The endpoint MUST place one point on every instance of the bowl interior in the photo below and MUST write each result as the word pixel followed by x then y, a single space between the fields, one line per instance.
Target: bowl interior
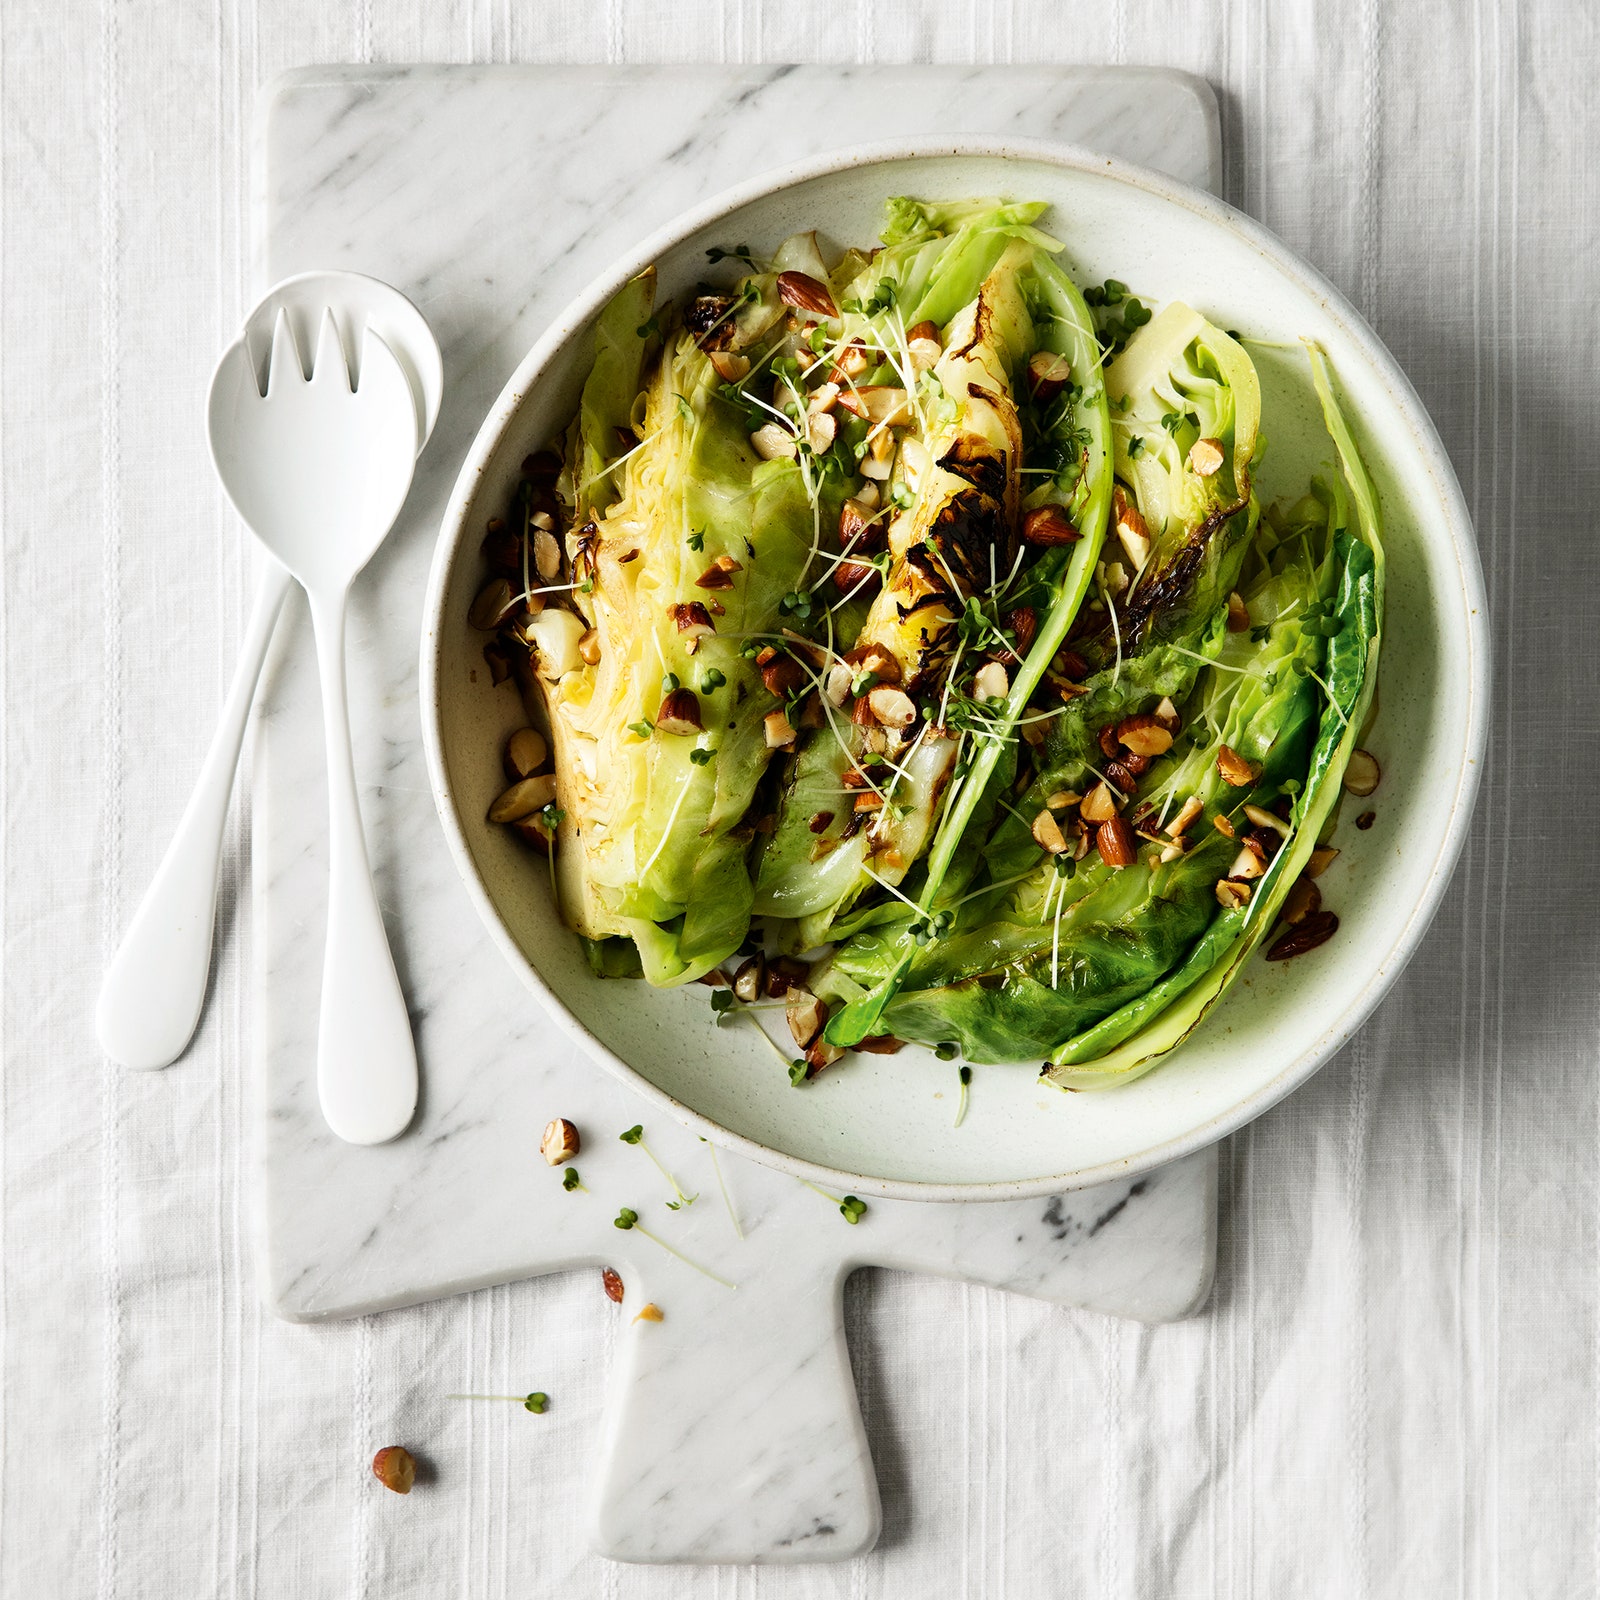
pixel 887 1121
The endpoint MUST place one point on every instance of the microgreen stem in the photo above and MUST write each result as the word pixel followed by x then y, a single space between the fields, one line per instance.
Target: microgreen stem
pixel 727 1199
pixel 629 1222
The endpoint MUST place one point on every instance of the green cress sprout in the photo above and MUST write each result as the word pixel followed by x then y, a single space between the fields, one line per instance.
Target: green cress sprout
pixel 537 1402
pixel 635 1135
pixel 571 1181
pixel 850 1208
pixel 628 1221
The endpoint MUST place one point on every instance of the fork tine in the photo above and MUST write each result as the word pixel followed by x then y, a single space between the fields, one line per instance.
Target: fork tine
pixel 283 365
pixel 329 366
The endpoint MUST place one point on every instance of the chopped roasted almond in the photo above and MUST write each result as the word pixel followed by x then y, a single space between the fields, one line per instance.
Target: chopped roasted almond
pixel 526 752
pixel 560 1141
pixel 1048 374
pixel 1266 819
pixel 1047 834
pixel 805 1014
pixel 1167 715
pixel 1223 825
pixel 494 606
pixel 773 441
pixel 1362 775
pixel 680 713
pixel 1232 896
pixel 779 734
pixel 893 708
pixel 1048 526
pixel 1247 864
pixel 884 405
pixel 523 798
pixel 1315 930
pixel 1205 456
pixel 751 978
pixel 1063 799
pixel 1302 901
pixel 1236 772
pixel 1188 813
pixel 1144 735
pixel 1320 860
pixel 1238 616
pixel 1099 805
pixel 990 682
pixel 730 367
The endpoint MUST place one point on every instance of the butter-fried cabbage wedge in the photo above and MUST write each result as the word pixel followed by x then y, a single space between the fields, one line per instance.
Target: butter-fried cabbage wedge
pixel 651 844
pixel 1076 427
pixel 1131 1041
pixel 964 477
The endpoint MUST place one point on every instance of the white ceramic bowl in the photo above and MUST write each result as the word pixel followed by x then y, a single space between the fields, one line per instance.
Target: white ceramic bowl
pixel 884 1124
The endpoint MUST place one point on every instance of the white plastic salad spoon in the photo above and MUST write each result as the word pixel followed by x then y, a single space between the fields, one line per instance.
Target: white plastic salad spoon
pixel 319 473
pixel 153 991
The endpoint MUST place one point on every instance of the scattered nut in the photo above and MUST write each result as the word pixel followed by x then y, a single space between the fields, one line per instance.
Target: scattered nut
pixel 1318 928
pixel 1247 864
pixel 1362 775
pixel 1366 819
pixel 1047 834
pixel 1144 735
pixel 719 575
pixel 1023 621
pixel 751 978
pixel 395 1468
pixel 522 799
pixel 1232 896
pixel 821 431
pixel 924 353
pixel 1266 819
pixel 1236 772
pixel 823 398
pixel 1063 799
pixel 1238 616
pixel 850 577
pixel 560 1142
pixel 1188 813
pixel 526 752
pixel 1048 374
pixel 546 556
pixel 1167 715
pixel 779 734
pixel 1321 859
pixel 1205 456
pixel 730 367
pixel 680 713
pixel 495 659
pixel 772 441
pixel 1130 523
pixel 805 1014
pixel 782 675
pixel 820 821
pixel 612 1281
pixel 885 405
pixel 1048 526
pixel 855 524
pixel 881 1044
pixel 1302 901
pixel 805 293
pixel 836 686
pixel 1114 840
pixel 850 362
pixel 589 647
pixel 990 682
pixel 693 622
pixel 494 606
pixel 1223 825
pixel 1099 805
pixel 650 1312
pixel 820 1054
pixel 893 708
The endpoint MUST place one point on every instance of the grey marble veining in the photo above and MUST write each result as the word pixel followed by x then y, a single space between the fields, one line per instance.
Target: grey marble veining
pixel 488 195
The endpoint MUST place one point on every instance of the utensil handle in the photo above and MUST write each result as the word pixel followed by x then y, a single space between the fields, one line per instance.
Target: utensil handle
pixel 366 1056
pixel 154 989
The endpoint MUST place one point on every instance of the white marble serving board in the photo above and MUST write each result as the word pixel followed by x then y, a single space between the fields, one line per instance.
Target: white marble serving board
pixel 490 195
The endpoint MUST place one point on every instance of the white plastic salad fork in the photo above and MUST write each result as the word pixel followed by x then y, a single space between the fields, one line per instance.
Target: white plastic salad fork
pixel 318 472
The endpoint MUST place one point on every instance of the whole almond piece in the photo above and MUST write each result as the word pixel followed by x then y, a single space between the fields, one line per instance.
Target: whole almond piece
pixel 1048 526
pixel 805 293
pixel 1115 842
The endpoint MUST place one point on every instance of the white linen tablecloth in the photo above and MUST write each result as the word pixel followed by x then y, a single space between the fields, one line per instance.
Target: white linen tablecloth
pixel 1396 1391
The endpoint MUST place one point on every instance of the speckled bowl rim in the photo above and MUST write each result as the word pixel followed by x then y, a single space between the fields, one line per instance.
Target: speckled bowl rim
pixel 1385 967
